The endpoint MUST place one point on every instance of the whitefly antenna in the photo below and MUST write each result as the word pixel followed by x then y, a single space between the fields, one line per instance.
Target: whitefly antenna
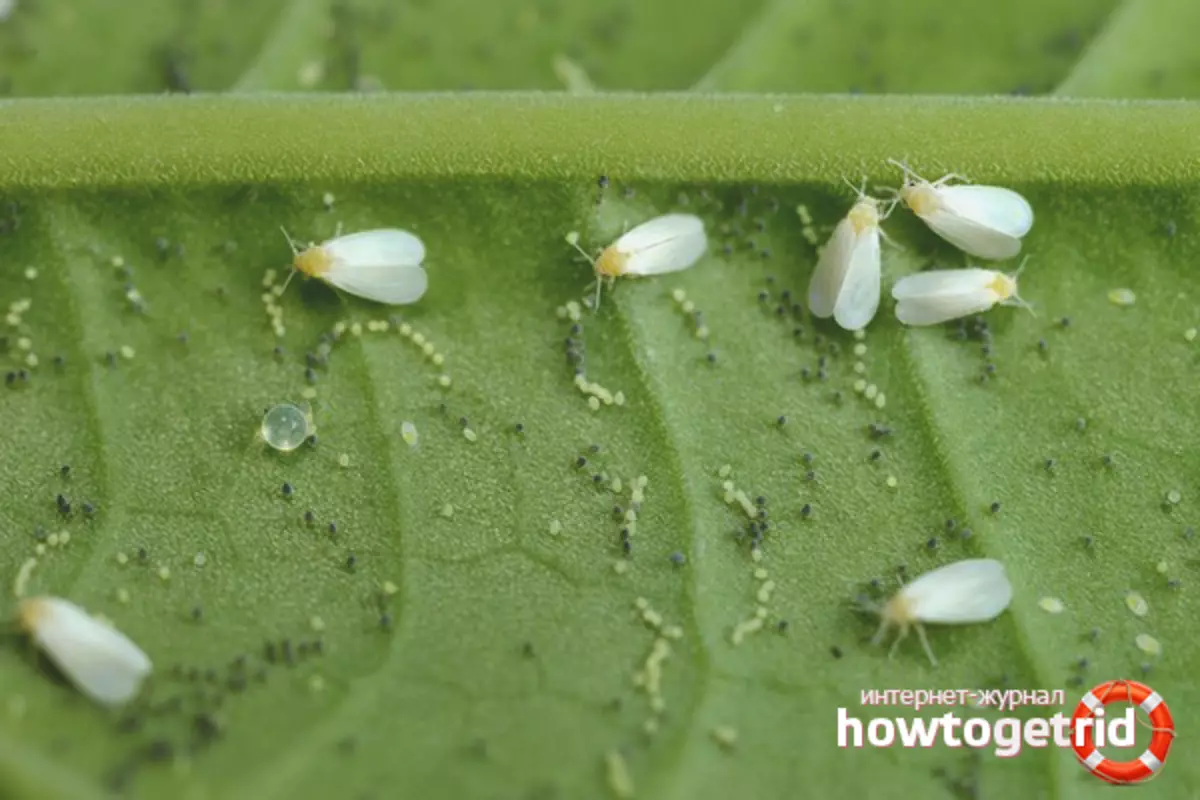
pixel 891 197
pixel 291 242
pixel 575 243
pixel 295 252
pixel 861 190
pixel 1021 268
pixel 573 240
pixel 890 201
pixel 1025 304
pixel 909 175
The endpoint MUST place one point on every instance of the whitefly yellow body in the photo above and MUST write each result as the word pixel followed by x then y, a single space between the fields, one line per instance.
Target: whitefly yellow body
pixel 668 243
pixel 941 295
pixel 383 265
pixel 845 283
pixel 972 590
pixel 100 661
pixel 984 221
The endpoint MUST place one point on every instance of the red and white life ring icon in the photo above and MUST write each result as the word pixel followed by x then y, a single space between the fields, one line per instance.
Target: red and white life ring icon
pixel 1149 762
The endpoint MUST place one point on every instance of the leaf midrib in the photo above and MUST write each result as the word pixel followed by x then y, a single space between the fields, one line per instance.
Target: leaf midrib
pixel 148 142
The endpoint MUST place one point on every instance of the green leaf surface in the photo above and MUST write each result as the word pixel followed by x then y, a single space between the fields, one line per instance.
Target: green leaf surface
pixel 202 45
pixel 521 44
pixel 1020 47
pixel 109 47
pixel 1146 49
pixel 503 665
pixel 1025 47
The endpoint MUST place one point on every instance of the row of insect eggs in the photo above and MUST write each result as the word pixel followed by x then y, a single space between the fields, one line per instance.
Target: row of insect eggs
pixel 984 221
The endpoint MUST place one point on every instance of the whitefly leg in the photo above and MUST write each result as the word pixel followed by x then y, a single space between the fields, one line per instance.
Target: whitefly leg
pixel 896 644
pixel 925 644
pixel 950 176
pixel 877 639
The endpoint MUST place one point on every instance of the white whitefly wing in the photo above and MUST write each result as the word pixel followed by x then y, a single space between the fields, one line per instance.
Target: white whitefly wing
pixel 936 296
pixel 381 265
pixel 832 264
pixel 992 207
pixel 985 221
pixel 384 247
pixel 858 297
pixel 668 243
pixel 972 590
pixel 972 237
pixel 941 282
pixel 936 309
pixel 390 285
pixel 101 661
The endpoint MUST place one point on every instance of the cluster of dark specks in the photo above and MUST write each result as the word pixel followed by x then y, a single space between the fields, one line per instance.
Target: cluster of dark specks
pixel 198 696
pixel 783 306
pixel 1080 666
pixel 575 349
pixel 976 329
pixel 16 378
pixel 756 527
pixel 602 183
pixel 625 516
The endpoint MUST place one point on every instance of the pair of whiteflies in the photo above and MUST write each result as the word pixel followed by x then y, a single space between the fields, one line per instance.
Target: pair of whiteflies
pixel 108 667
pixel 386 265
pixel 983 221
